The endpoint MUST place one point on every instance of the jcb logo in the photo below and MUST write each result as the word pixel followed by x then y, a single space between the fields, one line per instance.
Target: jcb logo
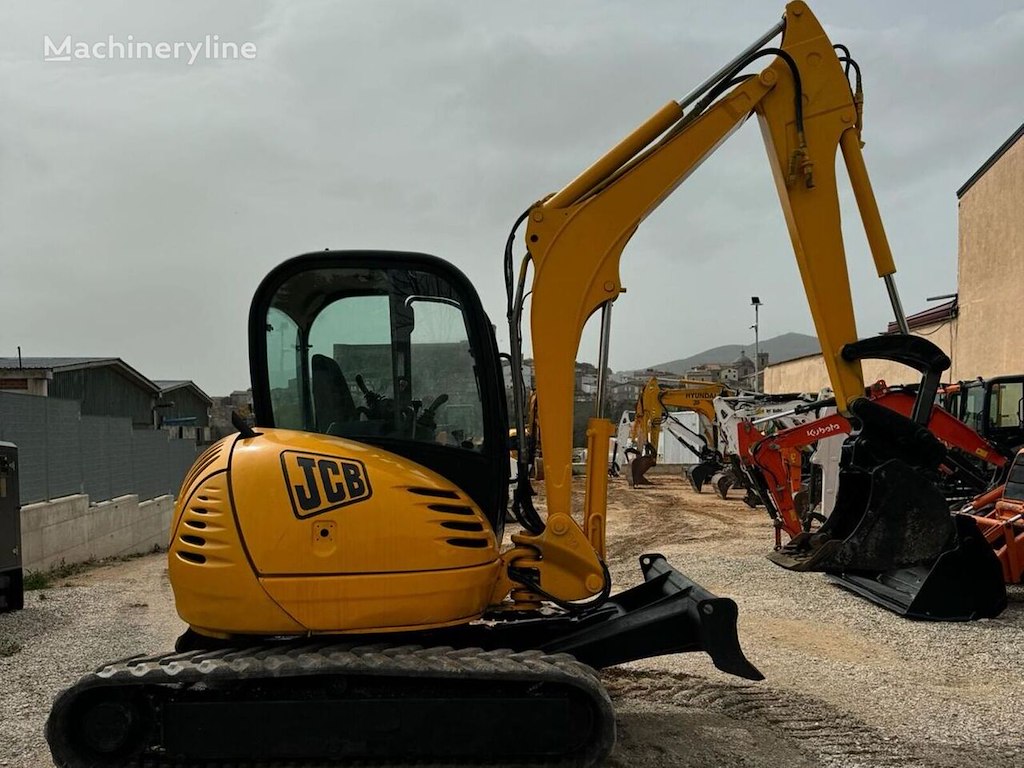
pixel 318 483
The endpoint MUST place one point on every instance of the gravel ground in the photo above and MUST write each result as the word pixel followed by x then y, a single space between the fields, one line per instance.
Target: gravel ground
pixel 848 684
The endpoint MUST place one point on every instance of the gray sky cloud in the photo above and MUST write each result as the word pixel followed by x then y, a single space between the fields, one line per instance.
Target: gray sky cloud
pixel 141 202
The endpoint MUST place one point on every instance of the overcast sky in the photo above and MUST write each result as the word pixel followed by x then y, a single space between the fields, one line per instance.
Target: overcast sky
pixel 142 201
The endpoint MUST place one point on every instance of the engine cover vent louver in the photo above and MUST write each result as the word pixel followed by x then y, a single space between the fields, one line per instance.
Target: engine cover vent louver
pixel 470 543
pixel 206 458
pixel 440 493
pixel 203 537
pixel 458 525
pixel 452 509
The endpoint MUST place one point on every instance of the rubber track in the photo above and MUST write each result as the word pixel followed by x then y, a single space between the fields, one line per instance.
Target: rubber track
pixel 332 658
pixel 836 739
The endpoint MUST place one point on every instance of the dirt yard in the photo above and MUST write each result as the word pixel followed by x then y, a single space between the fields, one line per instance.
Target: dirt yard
pixel 847 684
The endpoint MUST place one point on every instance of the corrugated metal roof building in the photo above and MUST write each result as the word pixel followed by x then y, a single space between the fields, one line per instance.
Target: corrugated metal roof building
pixel 105 386
pixel 182 403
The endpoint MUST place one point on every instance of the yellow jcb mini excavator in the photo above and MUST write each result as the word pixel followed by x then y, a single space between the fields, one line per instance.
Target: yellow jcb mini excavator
pixel 652 410
pixel 340 565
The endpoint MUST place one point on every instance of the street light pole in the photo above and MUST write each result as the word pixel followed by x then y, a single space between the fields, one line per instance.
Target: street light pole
pixel 756 303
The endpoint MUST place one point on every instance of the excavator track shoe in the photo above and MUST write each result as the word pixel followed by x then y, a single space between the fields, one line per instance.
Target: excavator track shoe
pixel 333 704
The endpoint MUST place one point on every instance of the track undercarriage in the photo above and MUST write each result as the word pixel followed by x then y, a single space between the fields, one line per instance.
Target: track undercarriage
pixel 513 691
pixel 331 703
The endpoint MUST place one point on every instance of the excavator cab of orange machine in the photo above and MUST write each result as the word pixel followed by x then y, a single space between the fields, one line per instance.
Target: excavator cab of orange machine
pixel 890 519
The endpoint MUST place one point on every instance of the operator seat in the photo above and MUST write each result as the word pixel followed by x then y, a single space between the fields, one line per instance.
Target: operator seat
pixel 332 399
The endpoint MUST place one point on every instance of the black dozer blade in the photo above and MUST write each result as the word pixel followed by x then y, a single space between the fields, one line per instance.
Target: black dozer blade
pixel 668 613
pixel 699 474
pixel 638 468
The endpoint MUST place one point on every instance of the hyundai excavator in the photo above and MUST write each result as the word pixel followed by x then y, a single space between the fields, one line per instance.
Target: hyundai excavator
pixel 340 566
pixel 652 410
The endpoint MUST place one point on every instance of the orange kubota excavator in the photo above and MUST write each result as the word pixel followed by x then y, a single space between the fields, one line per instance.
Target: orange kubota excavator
pixel 999 514
pixel 776 464
pixel 340 565
pixel 652 410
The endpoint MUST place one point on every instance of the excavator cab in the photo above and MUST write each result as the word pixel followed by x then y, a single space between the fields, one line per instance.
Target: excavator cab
pixel 994 408
pixel 392 350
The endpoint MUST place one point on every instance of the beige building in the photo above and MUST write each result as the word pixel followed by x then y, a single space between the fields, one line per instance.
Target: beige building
pixel 974 329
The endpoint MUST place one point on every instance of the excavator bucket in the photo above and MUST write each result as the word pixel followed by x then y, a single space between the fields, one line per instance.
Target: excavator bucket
pixel 638 468
pixel 892 540
pixel 884 518
pixel 888 517
pixel 890 537
pixel 723 481
pixel 960 585
pixel 700 474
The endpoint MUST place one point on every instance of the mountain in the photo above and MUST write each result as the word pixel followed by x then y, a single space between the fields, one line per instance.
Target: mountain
pixel 779 348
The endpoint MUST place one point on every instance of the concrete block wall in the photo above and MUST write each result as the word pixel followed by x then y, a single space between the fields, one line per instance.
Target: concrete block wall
pixel 70 530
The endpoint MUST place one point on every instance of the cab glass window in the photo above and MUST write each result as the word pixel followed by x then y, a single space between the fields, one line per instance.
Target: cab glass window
pixel 373 354
pixel 1005 405
pixel 974 408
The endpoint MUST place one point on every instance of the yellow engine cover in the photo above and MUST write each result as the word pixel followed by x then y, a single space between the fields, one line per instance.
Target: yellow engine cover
pixel 294 532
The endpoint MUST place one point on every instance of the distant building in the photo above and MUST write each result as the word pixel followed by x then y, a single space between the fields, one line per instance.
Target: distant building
pixel 105 386
pixel 705 372
pixel 184 410
pixel 627 390
pixel 648 373
pixel 739 373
